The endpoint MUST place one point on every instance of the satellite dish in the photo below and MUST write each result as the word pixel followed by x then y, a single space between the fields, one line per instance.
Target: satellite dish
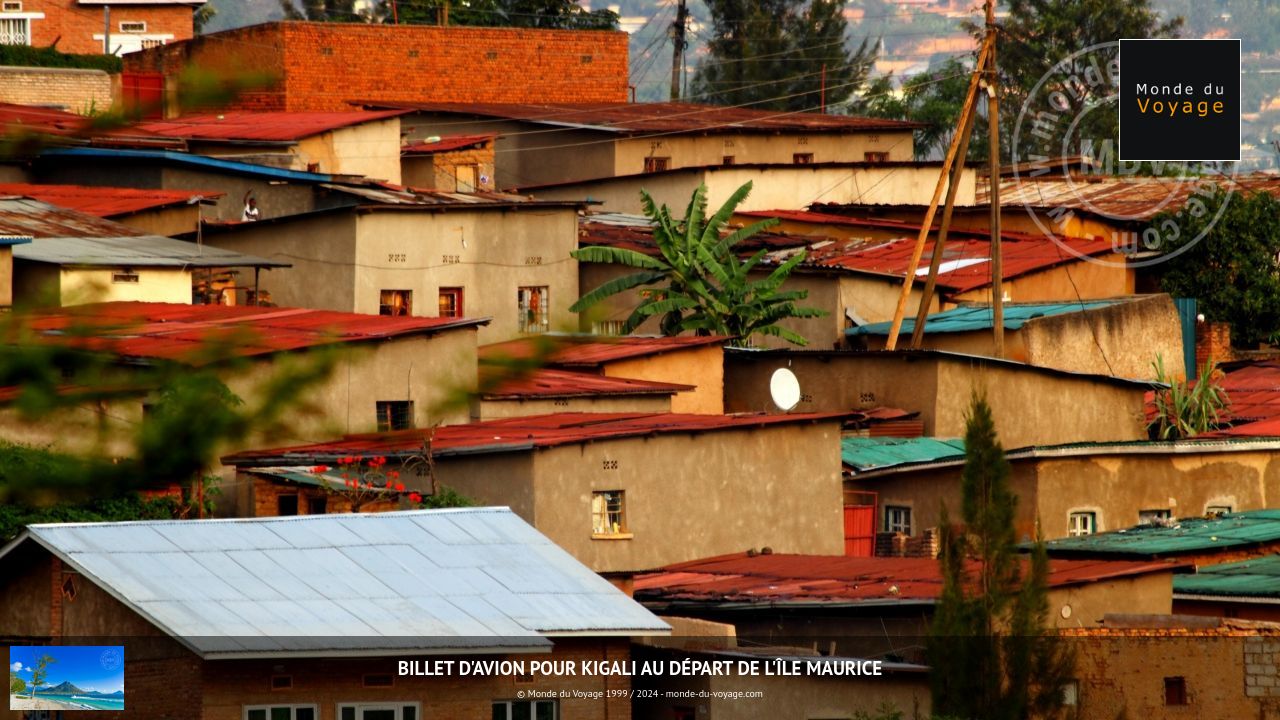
pixel 785 389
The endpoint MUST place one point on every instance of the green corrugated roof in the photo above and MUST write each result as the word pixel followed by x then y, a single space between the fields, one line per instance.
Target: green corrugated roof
pixel 978 317
pixel 1185 536
pixel 304 477
pixel 873 453
pixel 1257 577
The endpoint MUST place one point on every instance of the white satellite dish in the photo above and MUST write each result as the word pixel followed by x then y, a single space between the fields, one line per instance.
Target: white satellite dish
pixel 785 389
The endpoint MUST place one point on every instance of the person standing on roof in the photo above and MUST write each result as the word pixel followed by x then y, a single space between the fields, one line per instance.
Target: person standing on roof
pixel 251 211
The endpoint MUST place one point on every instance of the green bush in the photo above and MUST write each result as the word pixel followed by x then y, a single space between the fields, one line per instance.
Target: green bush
pixel 27 56
pixel 13 518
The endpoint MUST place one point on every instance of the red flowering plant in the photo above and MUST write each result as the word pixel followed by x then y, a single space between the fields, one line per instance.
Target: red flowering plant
pixel 364 480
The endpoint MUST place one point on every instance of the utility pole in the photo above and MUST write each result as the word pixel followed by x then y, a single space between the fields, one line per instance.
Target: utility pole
pixel 993 174
pixel 106 29
pixel 677 47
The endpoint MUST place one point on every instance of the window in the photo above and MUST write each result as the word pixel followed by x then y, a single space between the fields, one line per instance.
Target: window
pixel 1071 693
pixel 657 164
pixel 1082 523
pixel 802 158
pixel 608 512
pixel 15 31
pixel 608 327
pixel 897 519
pixel 378 711
pixel 728 160
pixel 876 157
pixel 1217 510
pixel 525 710
pixel 394 415
pixel 287 505
pixel 395 302
pixel 317 505
pixel 11 6
pixel 1153 517
pixel 1175 690
pixel 451 302
pixel 533 309
pixel 133 26
pixel 281 712
pixel 127 276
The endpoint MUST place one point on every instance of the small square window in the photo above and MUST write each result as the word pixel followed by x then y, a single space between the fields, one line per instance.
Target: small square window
pixel 608 512
pixel 1212 510
pixel 394 415
pixel 532 309
pixel 126 276
pixel 1071 693
pixel 1175 690
pixel 1154 517
pixel 802 158
pixel 395 302
pixel 133 26
pixel 608 327
pixel 11 6
pixel 450 302
pixel 1082 523
pixel 317 505
pixel 897 519
pixel 287 505
pixel 876 157
pixel 728 160
pixel 657 164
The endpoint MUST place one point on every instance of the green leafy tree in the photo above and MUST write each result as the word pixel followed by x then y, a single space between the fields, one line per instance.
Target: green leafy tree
pixel 16 684
pixel 1037 34
pixel 990 649
pixel 780 54
pixel 40 672
pixel 697 282
pixel 1232 269
pixel 935 98
pixel 547 14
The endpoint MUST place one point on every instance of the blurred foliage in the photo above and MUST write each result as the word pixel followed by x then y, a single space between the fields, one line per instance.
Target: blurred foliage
pixel 545 14
pixel 28 56
pixel 13 518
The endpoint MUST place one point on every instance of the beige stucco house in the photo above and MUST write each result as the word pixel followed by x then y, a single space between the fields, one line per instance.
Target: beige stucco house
pixel 497 256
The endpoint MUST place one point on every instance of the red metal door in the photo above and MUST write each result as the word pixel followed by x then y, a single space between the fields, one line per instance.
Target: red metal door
pixel 143 94
pixel 860 526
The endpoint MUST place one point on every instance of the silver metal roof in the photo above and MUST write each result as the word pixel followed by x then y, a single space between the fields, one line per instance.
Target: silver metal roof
pixel 134 251
pixel 464 580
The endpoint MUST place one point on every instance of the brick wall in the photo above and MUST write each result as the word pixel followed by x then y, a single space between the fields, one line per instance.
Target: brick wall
pixel 404 63
pixel 1213 339
pixel 894 544
pixel 71 89
pixel 73 26
pixel 266 499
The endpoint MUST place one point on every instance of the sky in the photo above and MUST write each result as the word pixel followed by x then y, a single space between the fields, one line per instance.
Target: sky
pixel 89 667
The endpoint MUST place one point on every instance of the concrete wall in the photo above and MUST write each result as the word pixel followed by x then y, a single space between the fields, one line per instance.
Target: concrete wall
pixel 83 285
pixel 702 367
pixel 440 171
pixel 170 221
pixel 715 493
pixel 791 187
pixel 1031 407
pixel 75 90
pixel 492 409
pixel 696 150
pixel 321 250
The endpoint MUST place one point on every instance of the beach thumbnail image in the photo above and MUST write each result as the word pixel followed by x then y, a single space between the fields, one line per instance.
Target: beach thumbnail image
pixel 66 677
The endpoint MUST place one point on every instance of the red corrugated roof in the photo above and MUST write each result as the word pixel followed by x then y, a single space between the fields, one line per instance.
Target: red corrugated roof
pixel 521 433
pixel 1253 400
pixel 663 117
pixel 816 579
pixel 198 334
pixel 445 144
pixel 23 120
pixel 262 126
pixel 594 350
pixel 104 202
pixel 548 383
pixel 26 217
pixel 640 238
pixel 966 263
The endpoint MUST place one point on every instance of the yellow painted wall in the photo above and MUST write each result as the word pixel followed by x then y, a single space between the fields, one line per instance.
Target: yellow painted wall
pixel 169 285
pixel 698 150
pixel 702 367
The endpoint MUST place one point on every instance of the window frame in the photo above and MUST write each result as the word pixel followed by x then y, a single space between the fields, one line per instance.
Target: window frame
pixel 802 158
pixel 1073 531
pixel 390 406
pixel 525 314
pixel 386 306
pixel 622 530
pixel 1151 516
pixel 293 707
pixel 459 296
pixel 1175 687
pixel 297 504
pixel 139 31
pixel 397 705
pixel 657 163
pixel 904 527
pixel 533 706
pixel 22 19
pixel 875 156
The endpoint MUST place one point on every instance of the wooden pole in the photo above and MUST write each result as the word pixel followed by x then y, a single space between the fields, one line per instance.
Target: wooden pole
pixel 935 261
pixel 677 48
pixel 927 225
pixel 993 124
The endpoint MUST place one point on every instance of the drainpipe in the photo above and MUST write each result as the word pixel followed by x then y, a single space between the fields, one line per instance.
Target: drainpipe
pixel 106 29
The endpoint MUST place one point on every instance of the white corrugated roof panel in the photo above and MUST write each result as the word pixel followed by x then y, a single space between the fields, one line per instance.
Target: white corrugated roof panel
pixel 424 580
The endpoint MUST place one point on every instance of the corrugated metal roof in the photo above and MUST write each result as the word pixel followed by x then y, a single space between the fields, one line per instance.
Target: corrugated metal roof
pixel 136 251
pixel 969 318
pixel 626 117
pixel 19 121
pixel 105 202
pixel 262 126
pixel 1256 577
pixel 427 580
pixel 821 218
pixel 197 334
pixel 185 159
pixel 32 218
pixel 569 351
pixel 519 434
pixel 1189 535
pixel 549 383
pixel 1137 198
pixel 874 453
pixel 639 237
pixel 446 143
pixel 778 579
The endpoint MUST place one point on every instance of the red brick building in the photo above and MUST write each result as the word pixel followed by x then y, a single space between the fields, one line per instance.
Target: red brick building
pixel 77 26
pixel 325 66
